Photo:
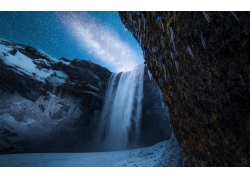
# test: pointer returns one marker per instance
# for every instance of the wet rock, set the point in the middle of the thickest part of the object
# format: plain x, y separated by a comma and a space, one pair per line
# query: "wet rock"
155, 126
207, 80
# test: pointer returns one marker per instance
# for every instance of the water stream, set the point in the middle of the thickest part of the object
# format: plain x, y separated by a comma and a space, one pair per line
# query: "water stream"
119, 127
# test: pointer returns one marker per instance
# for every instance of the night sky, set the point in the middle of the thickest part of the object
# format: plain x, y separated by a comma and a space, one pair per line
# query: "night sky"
92, 35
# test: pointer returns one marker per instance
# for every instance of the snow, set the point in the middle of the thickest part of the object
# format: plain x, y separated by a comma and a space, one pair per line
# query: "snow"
8, 122
43, 61
27, 119
92, 87
61, 74
94, 94
4, 48
164, 153
19, 61
43, 73
52, 58
23, 63
26, 65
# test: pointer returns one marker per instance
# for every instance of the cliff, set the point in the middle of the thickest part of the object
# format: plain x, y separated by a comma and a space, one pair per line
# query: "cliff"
155, 126
200, 61
47, 104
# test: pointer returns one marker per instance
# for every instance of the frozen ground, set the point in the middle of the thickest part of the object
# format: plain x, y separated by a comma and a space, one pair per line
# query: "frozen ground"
166, 153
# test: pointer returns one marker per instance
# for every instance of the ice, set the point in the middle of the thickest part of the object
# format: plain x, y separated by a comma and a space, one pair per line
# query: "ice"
140, 39
235, 16
56, 81
154, 49
94, 94
171, 54
144, 24
8, 122
61, 74
139, 22
203, 41
159, 18
161, 96
176, 65
35, 121
206, 16
242, 80
162, 154
130, 17
164, 68
172, 37
189, 50
149, 75
162, 27
162, 42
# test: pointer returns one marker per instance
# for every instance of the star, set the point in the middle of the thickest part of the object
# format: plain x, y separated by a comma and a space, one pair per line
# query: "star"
94, 35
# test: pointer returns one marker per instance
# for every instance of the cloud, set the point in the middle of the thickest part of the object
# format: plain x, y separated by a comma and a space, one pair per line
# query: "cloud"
100, 41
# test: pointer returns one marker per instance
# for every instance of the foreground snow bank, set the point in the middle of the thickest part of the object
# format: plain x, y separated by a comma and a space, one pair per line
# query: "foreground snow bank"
166, 153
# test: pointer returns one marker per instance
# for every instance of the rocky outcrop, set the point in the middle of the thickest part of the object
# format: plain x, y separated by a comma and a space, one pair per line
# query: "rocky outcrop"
47, 104
200, 61
155, 126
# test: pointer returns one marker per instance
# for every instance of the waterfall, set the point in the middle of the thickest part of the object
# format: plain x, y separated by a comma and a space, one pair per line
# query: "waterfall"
119, 126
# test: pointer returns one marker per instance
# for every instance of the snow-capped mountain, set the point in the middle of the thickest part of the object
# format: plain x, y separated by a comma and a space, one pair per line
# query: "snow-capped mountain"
47, 103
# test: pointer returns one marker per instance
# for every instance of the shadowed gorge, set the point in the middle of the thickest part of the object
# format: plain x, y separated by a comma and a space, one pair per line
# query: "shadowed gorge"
200, 61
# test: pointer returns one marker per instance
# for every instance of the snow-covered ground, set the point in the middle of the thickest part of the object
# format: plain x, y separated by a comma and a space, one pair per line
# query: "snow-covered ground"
166, 153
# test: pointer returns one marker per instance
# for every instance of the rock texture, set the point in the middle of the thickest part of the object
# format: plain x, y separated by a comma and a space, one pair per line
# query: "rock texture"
200, 61
47, 104
155, 126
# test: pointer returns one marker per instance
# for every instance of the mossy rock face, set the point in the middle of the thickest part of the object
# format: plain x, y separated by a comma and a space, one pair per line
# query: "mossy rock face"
207, 83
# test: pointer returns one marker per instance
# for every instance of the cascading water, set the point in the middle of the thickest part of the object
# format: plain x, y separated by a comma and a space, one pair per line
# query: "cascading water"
119, 126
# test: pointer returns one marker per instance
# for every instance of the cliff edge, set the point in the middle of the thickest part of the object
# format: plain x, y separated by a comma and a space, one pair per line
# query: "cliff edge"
200, 61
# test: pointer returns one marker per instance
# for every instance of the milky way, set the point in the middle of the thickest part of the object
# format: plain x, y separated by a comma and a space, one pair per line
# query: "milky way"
97, 36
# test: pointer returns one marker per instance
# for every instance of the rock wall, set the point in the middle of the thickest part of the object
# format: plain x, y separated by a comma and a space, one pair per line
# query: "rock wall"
155, 126
47, 104
200, 61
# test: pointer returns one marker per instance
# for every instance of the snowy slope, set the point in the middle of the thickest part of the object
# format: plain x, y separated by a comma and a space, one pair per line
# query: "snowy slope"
47, 104
165, 153
24, 64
